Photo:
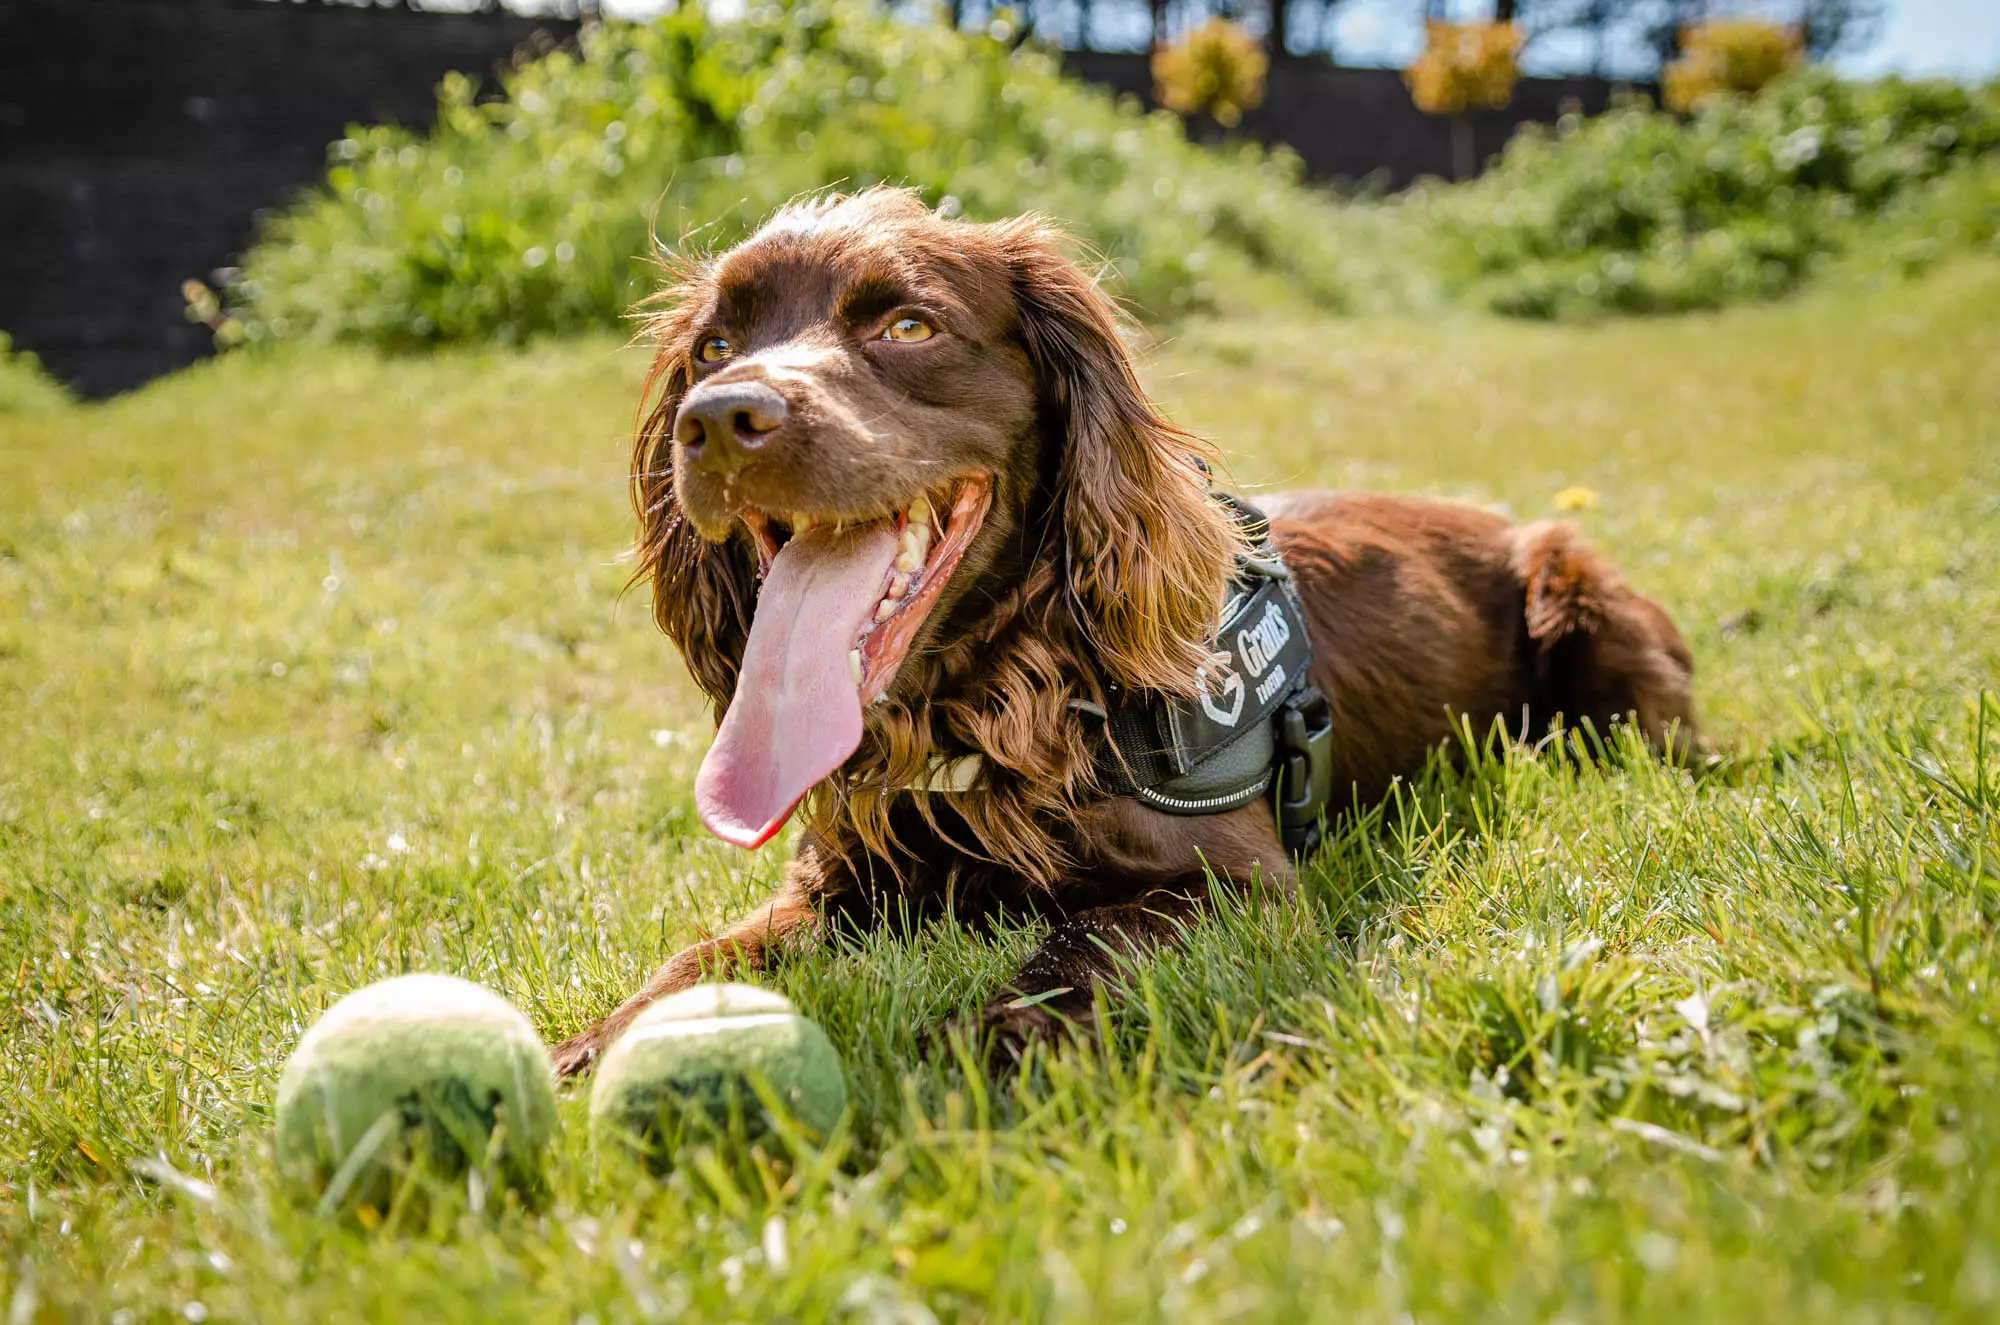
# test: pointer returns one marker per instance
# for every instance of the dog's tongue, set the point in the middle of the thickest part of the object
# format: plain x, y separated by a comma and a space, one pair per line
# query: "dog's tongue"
796, 714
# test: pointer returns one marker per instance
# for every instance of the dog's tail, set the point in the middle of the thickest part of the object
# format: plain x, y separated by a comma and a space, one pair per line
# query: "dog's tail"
1603, 651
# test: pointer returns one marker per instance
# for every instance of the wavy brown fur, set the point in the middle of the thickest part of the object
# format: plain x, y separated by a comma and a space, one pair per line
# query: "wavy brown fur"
703, 595
1128, 592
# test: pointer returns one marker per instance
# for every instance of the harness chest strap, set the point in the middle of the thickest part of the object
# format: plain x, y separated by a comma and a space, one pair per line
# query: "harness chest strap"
1258, 727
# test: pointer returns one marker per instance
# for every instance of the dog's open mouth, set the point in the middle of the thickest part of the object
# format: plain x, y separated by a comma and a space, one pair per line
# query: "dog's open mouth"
841, 603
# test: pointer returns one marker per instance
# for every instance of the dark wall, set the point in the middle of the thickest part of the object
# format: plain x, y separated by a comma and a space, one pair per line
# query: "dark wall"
140, 138
1351, 124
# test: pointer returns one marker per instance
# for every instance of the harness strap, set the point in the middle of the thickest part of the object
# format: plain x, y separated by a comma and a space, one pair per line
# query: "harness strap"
1259, 723
1259, 727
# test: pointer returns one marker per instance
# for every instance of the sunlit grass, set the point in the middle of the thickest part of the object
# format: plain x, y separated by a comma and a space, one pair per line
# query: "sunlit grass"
315, 668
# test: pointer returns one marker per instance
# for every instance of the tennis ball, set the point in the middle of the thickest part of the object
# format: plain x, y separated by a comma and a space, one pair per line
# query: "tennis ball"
428, 1070
685, 1069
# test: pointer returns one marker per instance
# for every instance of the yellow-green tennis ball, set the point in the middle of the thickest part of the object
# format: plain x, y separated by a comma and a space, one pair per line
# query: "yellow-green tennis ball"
686, 1070
424, 1069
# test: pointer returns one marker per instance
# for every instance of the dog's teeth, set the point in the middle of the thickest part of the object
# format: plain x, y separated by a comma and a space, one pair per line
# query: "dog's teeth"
920, 512
899, 584
854, 665
885, 609
910, 555
801, 524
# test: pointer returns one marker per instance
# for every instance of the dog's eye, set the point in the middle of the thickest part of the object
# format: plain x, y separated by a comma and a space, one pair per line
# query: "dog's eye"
907, 329
713, 350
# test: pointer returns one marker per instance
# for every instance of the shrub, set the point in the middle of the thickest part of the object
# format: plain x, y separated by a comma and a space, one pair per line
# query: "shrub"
1217, 70
25, 387
1642, 212
1729, 56
532, 213
1957, 211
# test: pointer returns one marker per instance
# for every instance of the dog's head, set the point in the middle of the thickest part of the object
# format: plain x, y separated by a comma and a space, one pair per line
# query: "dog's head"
889, 419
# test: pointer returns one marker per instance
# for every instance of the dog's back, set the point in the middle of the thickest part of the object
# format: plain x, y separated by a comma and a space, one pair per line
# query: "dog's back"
1428, 613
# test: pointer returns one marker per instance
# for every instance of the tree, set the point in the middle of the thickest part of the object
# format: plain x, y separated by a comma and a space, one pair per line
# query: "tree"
1216, 70
1829, 25
1464, 67
1729, 56
1657, 25
1840, 25
586, 10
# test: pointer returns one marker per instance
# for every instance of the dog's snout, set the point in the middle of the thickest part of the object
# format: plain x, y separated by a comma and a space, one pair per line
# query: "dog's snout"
721, 419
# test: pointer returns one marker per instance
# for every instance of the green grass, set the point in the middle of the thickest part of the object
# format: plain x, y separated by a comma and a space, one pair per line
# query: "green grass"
314, 668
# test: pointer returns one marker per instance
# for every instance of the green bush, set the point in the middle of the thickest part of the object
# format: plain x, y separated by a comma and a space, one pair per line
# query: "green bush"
1958, 210
25, 387
533, 212
1640, 211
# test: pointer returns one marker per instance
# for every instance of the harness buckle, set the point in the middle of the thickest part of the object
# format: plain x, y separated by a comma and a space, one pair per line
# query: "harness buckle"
1270, 566
1304, 781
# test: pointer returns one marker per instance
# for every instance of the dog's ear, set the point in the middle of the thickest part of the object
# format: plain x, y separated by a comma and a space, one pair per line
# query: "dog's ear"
1148, 552
703, 592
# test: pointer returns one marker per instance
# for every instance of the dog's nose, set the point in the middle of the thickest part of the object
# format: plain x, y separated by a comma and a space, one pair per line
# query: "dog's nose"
722, 419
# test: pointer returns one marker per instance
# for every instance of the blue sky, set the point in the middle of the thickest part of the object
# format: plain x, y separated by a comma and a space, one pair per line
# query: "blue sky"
1956, 37
1960, 38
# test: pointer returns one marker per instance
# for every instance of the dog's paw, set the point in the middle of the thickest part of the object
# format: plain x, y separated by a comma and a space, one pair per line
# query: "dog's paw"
1007, 1025
578, 1054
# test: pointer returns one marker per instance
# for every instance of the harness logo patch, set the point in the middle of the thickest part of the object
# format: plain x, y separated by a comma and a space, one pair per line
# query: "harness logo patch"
1226, 707
1258, 645
1271, 684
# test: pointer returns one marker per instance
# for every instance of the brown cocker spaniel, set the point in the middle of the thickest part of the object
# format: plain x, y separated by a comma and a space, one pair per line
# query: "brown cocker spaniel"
902, 502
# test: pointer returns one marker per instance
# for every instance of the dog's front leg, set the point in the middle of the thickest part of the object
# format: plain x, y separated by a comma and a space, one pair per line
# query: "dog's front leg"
1151, 874
786, 922
1055, 988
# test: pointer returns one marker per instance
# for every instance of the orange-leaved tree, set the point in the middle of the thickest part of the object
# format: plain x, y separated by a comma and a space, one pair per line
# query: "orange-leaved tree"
1726, 56
1217, 69
1465, 66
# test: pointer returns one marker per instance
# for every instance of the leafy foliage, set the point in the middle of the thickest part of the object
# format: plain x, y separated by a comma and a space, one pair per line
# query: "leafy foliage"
1639, 211
531, 213
1217, 69
1723, 56
25, 386
1465, 66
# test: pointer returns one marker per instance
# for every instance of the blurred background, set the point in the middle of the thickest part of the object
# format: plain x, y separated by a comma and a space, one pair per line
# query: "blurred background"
147, 144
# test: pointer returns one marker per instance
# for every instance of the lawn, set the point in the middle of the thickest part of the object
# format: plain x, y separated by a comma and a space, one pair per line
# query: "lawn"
317, 667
